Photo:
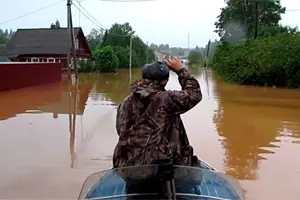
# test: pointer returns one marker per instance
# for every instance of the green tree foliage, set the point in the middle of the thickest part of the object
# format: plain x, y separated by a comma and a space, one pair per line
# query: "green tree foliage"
195, 58
106, 59
5, 36
118, 38
55, 25
272, 59
268, 61
237, 20
274, 30
86, 66
95, 39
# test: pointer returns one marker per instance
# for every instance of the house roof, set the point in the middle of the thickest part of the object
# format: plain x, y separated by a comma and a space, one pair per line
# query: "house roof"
40, 41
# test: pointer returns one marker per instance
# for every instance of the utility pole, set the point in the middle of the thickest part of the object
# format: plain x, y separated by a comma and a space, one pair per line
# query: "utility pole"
69, 41
147, 52
130, 57
72, 50
72, 86
256, 19
130, 52
207, 53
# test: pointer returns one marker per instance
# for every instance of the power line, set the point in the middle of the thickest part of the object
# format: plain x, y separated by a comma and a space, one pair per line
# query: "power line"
93, 18
32, 12
89, 18
94, 21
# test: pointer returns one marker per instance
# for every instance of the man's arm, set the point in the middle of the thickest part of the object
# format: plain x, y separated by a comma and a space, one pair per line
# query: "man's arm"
188, 97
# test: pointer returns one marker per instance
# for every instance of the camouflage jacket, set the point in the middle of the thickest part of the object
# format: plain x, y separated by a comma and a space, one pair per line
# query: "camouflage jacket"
149, 124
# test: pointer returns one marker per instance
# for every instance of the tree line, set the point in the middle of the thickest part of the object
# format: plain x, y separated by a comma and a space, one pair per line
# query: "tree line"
111, 49
253, 48
196, 56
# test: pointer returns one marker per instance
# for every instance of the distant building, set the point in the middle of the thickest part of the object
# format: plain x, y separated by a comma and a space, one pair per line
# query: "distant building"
46, 45
160, 55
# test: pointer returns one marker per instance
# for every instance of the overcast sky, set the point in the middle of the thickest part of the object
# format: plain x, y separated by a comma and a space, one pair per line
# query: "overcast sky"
160, 21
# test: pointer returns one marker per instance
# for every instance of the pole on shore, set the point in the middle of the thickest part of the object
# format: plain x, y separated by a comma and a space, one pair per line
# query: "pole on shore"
73, 83
130, 57
69, 40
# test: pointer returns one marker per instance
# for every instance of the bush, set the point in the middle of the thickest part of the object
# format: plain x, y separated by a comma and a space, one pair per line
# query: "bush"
106, 59
86, 66
268, 61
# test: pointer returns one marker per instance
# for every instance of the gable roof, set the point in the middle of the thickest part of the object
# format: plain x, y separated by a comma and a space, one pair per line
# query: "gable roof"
40, 41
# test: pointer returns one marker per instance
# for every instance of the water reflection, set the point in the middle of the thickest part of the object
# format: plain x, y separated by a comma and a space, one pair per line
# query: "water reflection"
251, 122
52, 98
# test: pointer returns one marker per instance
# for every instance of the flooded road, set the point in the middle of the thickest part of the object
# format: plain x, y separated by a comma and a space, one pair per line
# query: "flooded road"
250, 133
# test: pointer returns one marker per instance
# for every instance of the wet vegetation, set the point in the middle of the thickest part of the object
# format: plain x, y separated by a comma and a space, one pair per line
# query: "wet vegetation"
266, 55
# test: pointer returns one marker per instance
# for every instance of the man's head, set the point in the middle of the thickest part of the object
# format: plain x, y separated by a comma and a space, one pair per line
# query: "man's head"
156, 71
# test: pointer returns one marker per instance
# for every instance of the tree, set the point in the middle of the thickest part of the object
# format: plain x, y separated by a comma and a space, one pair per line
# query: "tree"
265, 61
3, 39
123, 55
237, 20
153, 46
94, 38
119, 36
195, 58
106, 59
57, 24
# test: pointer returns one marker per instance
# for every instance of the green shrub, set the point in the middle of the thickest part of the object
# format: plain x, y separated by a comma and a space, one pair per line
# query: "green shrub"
268, 61
106, 59
86, 66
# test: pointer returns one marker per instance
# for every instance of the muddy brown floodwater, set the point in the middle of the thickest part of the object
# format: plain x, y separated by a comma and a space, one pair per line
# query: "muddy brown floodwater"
250, 133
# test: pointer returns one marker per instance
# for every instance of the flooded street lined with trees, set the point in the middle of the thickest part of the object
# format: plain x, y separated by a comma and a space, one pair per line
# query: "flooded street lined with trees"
53, 136
250, 133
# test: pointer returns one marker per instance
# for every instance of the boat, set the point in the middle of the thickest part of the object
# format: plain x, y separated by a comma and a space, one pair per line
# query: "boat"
162, 181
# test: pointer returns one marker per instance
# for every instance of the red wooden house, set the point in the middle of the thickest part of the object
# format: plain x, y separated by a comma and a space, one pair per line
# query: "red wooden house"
46, 45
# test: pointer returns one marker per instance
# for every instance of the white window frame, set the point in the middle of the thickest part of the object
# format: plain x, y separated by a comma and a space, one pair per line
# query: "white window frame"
76, 44
35, 59
51, 60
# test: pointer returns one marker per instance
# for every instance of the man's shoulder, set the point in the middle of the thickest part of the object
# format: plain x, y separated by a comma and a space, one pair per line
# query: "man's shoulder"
126, 100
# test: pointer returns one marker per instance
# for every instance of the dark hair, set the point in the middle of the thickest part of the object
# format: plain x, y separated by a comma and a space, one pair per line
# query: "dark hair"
156, 71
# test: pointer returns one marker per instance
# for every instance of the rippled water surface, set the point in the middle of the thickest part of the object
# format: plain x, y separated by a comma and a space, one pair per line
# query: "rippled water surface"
250, 133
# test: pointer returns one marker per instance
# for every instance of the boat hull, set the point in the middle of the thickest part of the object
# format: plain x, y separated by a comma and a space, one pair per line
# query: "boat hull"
143, 182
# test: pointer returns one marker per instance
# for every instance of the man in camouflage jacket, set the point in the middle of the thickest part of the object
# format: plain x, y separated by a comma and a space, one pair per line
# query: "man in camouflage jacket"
148, 120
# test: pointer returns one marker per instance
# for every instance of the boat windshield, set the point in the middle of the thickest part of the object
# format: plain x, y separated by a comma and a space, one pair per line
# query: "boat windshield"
141, 182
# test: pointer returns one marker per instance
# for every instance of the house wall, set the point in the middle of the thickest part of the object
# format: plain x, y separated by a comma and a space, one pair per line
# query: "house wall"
20, 75
82, 47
